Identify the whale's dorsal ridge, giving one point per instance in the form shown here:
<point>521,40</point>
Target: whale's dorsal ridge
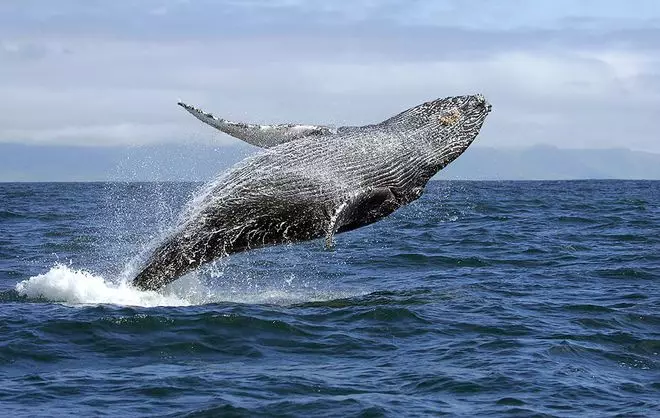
<point>264,136</point>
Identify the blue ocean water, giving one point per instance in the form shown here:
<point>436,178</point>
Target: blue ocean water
<point>480,299</point>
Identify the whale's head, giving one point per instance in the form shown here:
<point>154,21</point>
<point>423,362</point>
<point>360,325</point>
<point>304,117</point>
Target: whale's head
<point>449,125</point>
<point>451,120</point>
<point>459,120</point>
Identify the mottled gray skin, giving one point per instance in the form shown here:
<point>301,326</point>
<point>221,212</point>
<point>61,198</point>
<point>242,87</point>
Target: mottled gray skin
<point>314,187</point>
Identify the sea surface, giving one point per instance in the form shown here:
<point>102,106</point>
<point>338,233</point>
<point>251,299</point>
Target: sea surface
<point>480,299</point>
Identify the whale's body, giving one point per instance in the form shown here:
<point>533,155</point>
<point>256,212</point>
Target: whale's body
<point>315,186</point>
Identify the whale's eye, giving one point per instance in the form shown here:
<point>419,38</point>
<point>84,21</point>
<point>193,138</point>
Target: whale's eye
<point>450,117</point>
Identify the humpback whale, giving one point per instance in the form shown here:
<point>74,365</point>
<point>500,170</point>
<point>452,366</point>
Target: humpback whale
<point>313,181</point>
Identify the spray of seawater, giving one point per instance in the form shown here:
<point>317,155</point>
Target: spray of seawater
<point>63,284</point>
<point>67,285</point>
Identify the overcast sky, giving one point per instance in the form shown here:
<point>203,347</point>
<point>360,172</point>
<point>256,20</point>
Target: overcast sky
<point>574,74</point>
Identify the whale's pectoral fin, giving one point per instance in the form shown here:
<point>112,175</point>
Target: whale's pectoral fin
<point>335,221</point>
<point>264,136</point>
<point>360,209</point>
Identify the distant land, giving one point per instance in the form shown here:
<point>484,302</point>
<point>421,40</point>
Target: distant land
<point>543,162</point>
<point>195,162</point>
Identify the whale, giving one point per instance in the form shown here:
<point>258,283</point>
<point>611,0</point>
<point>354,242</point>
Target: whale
<point>312,182</point>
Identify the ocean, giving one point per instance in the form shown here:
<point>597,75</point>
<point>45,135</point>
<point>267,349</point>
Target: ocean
<point>480,299</point>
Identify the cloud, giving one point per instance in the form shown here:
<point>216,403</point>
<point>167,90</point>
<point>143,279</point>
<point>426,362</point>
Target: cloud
<point>97,135</point>
<point>104,73</point>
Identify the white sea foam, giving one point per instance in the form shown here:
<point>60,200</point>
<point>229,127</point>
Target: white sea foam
<point>63,284</point>
<point>78,287</point>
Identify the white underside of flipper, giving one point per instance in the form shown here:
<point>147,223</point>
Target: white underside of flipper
<point>334,224</point>
<point>358,205</point>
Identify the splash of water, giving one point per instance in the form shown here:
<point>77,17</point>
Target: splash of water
<point>63,284</point>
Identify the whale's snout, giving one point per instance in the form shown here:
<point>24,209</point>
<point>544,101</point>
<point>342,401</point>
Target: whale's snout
<point>482,102</point>
<point>460,122</point>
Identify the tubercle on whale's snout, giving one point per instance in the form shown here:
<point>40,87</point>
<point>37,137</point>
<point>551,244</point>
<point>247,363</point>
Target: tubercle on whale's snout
<point>481,101</point>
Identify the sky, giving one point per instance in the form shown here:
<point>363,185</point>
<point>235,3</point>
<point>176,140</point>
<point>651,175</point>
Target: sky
<point>568,73</point>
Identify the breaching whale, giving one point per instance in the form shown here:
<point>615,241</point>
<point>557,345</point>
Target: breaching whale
<point>313,181</point>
